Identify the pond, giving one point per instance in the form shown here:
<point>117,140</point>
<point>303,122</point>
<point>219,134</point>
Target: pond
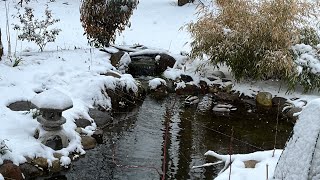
<point>134,144</point>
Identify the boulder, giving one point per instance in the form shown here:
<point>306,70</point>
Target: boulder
<point>54,142</point>
<point>189,89</point>
<point>264,99</point>
<point>30,171</point>
<point>142,66</point>
<point>191,101</point>
<point>150,65</point>
<point>210,78</point>
<point>82,122</point>
<point>250,163</point>
<point>204,87</point>
<point>227,87</point>
<point>56,167</point>
<point>115,58</point>
<point>223,108</point>
<point>11,171</point>
<point>40,162</point>
<point>225,80</point>
<point>170,86</point>
<point>163,62</point>
<point>78,130</point>
<point>112,73</point>
<point>226,97</point>
<point>122,98</point>
<point>101,118</point>
<point>186,78</point>
<point>214,88</point>
<point>20,106</point>
<point>160,92</point>
<point>98,135</point>
<point>249,101</point>
<point>57,155</point>
<point>219,74</point>
<point>279,101</point>
<point>88,142</point>
<point>290,114</point>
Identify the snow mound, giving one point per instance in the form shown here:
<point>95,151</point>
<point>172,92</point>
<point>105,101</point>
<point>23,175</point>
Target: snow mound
<point>265,160</point>
<point>124,62</point>
<point>65,161</point>
<point>154,83</point>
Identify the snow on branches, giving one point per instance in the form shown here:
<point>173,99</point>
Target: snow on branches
<point>37,30</point>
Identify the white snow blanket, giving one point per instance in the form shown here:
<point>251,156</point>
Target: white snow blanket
<point>300,159</point>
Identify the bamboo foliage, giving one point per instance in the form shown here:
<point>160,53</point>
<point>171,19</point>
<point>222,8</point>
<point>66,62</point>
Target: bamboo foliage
<point>254,38</point>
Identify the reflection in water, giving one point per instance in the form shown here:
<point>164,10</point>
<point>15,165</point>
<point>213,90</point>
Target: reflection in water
<point>133,146</point>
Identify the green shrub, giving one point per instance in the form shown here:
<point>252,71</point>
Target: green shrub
<point>254,38</point>
<point>101,19</point>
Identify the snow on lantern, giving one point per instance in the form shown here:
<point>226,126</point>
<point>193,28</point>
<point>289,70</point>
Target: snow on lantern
<point>51,104</point>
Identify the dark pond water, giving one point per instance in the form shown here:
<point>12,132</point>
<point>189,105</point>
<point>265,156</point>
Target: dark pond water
<point>133,147</point>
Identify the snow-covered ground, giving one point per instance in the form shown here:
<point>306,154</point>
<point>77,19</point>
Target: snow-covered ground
<point>69,65</point>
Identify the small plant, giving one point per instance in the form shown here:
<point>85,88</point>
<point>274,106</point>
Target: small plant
<point>16,61</point>
<point>3,147</point>
<point>101,19</point>
<point>35,113</point>
<point>35,30</point>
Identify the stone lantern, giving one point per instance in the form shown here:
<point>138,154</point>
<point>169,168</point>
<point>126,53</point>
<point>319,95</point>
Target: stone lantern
<point>51,104</point>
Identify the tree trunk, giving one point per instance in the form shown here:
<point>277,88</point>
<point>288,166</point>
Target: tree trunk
<point>1,46</point>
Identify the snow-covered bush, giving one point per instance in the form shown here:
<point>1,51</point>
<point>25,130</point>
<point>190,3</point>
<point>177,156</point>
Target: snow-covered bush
<point>102,18</point>
<point>254,38</point>
<point>308,67</point>
<point>36,30</point>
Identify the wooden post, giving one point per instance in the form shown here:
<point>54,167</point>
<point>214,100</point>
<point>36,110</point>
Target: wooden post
<point>1,46</point>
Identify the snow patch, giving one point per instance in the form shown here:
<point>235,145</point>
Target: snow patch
<point>124,62</point>
<point>239,172</point>
<point>65,161</point>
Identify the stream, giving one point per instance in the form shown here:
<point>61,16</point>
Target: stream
<point>134,144</point>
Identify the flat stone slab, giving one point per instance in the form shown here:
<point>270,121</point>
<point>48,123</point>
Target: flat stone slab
<point>20,106</point>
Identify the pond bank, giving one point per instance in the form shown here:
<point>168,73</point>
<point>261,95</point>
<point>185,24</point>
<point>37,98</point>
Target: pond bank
<point>133,144</point>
